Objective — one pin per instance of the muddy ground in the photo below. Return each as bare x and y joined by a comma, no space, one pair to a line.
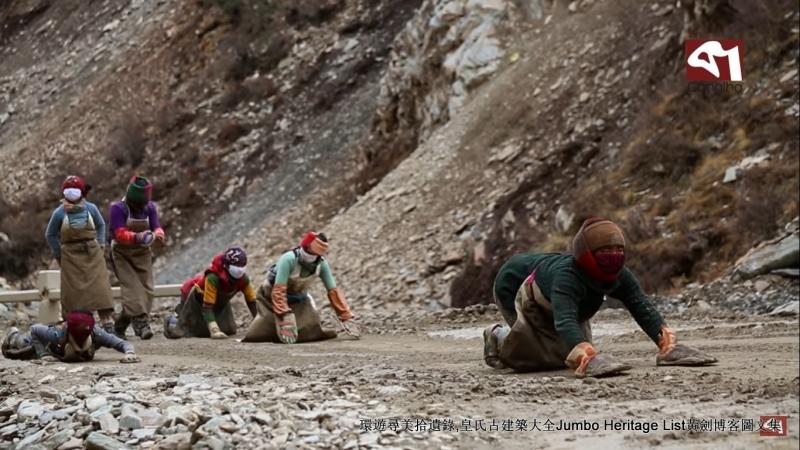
333,394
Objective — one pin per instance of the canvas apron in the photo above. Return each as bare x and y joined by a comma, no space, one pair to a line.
309,326
133,265
84,278
192,322
533,342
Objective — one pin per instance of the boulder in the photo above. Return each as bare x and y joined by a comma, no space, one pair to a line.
781,254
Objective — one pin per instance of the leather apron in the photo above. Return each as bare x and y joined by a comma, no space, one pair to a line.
133,265
84,277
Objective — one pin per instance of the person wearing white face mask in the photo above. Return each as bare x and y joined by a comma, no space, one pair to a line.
205,309
76,235
286,313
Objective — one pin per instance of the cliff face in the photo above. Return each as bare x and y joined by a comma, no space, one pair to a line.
430,139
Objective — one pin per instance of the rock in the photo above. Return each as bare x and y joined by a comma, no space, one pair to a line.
143,433
787,309
583,97
453,255
58,440
564,219
180,441
130,421
761,286
29,440
785,253
790,273
72,444
99,441
109,424
96,402
29,410
730,174
111,26
788,76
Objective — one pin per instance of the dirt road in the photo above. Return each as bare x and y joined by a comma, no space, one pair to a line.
346,393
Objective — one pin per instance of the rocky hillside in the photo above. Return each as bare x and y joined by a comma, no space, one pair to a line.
430,139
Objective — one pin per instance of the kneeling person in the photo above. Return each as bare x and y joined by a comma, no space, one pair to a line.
205,306
547,300
74,340
286,313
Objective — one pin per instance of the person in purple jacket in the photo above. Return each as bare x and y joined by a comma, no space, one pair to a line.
134,225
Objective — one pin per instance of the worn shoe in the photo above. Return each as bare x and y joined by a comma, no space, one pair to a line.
121,326
491,348
171,329
141,327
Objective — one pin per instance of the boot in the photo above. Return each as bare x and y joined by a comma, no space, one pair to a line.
121,326
141,327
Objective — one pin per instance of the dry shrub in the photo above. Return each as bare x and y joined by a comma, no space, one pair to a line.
231,131
759,208
128,141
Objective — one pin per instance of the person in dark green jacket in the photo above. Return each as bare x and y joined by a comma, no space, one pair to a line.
548,298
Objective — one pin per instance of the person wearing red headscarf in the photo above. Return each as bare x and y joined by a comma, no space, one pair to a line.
74,340
286,312
205,307
76,234
547,300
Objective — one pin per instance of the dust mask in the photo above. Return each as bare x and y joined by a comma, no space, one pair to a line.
237,271
72,194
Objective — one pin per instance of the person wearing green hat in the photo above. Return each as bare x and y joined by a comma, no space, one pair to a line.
134,226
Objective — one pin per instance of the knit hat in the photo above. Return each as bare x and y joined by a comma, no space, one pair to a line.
597,233
234,256
80,325
75,182
315,243
140,190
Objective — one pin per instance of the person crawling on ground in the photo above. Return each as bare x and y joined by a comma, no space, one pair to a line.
286,312
74,340
547,300
205,307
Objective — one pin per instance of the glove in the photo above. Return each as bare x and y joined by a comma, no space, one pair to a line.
144,238
214,331
286,327
588,362
339,304
351,328
159,234
130,358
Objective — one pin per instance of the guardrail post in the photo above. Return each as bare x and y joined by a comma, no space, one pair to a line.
49,308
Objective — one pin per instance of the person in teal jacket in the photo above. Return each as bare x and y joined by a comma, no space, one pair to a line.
547,299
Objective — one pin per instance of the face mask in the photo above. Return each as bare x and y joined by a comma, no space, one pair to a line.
236,271
72,194
306,257
610,262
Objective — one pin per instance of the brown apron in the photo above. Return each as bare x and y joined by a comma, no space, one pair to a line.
133,265
533,342
84,278
309,326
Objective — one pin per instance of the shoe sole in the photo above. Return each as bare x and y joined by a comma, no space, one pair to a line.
491,359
